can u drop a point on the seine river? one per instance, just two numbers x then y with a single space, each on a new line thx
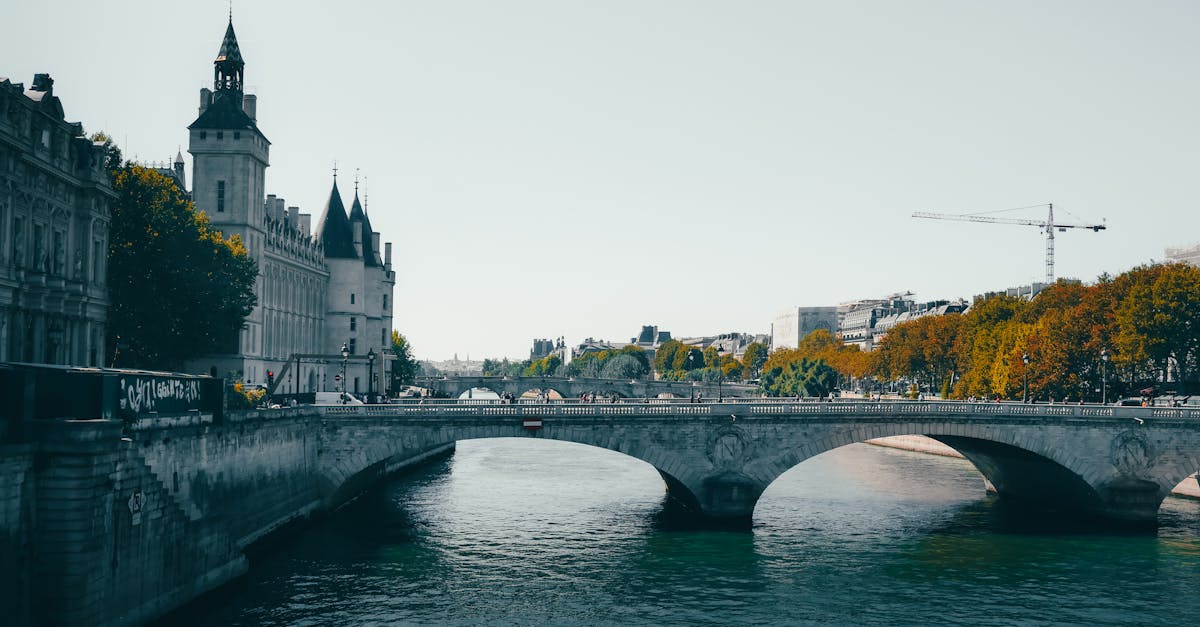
530 532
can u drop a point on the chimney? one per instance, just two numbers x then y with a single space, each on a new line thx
375 244
270 206
387 256
358 238
43 82
306 224
278 209
205 98
294 218
250 106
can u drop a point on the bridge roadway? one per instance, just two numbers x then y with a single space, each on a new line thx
573 387
1114 463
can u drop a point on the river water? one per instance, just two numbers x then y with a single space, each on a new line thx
524 531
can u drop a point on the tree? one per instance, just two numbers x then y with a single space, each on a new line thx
753 360
404 367
1159 319
623 366
664 355
179 289
798 377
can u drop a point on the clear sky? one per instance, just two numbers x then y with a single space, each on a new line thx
559 168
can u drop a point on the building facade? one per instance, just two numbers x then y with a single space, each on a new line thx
1185 254
55 204
789 327
318 290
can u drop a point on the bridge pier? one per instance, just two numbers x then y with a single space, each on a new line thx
725 500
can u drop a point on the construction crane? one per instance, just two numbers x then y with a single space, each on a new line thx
1048 224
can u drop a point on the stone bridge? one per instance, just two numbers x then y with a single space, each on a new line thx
1110 463
104 521
573 387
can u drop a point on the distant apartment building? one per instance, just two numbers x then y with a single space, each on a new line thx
1026 292
55 205
789 327
915 311
1186 254
732 343
592 345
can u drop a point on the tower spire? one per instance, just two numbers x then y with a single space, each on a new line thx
229 68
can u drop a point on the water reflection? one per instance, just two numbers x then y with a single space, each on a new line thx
539 532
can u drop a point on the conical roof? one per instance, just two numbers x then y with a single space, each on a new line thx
370 255
335 231
230 52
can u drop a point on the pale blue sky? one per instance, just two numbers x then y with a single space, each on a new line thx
581 169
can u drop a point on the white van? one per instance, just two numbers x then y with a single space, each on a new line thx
336 398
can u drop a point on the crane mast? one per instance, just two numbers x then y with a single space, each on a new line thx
1048 224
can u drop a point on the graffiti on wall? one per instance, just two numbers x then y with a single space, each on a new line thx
143 394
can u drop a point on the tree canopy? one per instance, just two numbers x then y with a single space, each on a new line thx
179 289
404 367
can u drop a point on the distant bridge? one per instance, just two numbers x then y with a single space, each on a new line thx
573 387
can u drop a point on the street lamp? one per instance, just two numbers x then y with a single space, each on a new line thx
1025 360
370 373
1104 376
345 357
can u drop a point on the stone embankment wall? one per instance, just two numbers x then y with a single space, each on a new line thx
107 523
16 526
1188 488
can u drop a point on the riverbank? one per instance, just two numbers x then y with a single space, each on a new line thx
1188 488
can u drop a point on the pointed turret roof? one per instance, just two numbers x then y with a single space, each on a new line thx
337 236
370 255
230 52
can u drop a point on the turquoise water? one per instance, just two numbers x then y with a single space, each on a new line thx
519 531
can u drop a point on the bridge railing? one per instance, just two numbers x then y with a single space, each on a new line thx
760 407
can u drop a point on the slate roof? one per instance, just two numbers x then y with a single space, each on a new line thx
370 255
337 236
230 51
225 113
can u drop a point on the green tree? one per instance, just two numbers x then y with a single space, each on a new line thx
754 359
404 367
664 355
799 377
179 289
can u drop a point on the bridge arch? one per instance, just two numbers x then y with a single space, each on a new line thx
1024 466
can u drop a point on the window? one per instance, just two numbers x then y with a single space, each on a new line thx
353 324
203 134
237 135
220 196
353 343
351 298
385 301
220 135
383 337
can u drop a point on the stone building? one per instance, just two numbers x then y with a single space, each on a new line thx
789 327
317 290
55 201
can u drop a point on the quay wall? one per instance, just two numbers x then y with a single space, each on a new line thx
16 526
111 523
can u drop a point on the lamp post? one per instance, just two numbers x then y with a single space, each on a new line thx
370 374
1104 376
345 357
1025 360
